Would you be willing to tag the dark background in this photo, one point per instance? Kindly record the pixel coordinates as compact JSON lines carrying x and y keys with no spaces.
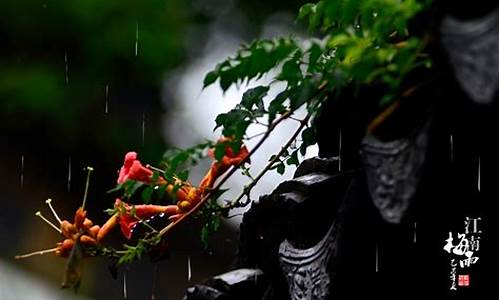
{"x":47,"y":121}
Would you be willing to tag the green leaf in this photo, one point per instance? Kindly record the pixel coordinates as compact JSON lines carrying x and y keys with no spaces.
{"x":316,"y":16}
{"x":184,"y":175}
{"x":251,"y":61}
{"x":130,"y":187}
{"x":205,"y":236}
{"x":305,"y":10}
{"x":276,"y":105}
{"x":308,"y":136}
{"x":210,"y":78}
{"x":302,"y":94}
{"x":314,"y":54}
{"x":253,"y":97}
{"x":290,"y":72}
{"x":176,"y":158}
{"x":293,"y":159}
{"x":280,"y":168}
{"x":211,"y":225}
{"x":155,"y":177}
{"x":235,"y":122}
{"x":160,"y":190}
{"x":219,"y":151}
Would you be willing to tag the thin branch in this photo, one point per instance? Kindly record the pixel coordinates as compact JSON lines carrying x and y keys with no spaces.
{"x":271,"y":127}
{"x":248,"y":187}
{"x":295,"y":119}
{"x":256,"y":135}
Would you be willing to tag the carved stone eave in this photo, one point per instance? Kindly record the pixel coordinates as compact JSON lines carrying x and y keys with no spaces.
{"x":306,"y":269}
{"x":393,"y":171}
{"x":472,"y":47}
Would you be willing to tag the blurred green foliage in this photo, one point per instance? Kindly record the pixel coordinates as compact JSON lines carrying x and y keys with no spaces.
{"x":57,"y":57}
{"x":97,"y":37}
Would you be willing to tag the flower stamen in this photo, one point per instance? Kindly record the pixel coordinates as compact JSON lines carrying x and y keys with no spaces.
{"x":48,"y":201}
{"x":87,"y":183}
{"x":39,"y":214}
{"x":40,"y":252}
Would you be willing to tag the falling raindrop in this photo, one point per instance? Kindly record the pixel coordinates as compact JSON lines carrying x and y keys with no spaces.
{"x":22,"y":170}
{"x":66,"y":69}
{"x":124,"y":285}
{"x":479,"y":174}
{"x":136,"y":37}
{"x":340,"y":149}
{"x":107,"y":97}
{"x":451,"y":147}
{"x":415,"y":232}
{"x":69,"y":173}
{"x":376,"y":257}
{"x":189,"y":268}
{"x":143,"y":126}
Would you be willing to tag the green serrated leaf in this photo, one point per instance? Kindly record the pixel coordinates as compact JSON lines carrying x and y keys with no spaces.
{"x":308,"y":136}
{"x":276,"y":105}
{"x":290,"y":72}
{"x":303,"y":149}
{"x":131,"y":186}
{"x":281,"y":168}
{"x":251,"y":61}
{"x":210,"y":78}
{"x":302,"y":94}
{"x":305,"y":10}
{"x":315,"y":52}
{"x":253,"y":97}
{"x":293,"y":159}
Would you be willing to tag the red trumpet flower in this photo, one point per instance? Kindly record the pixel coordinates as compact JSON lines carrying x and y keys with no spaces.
{"x":134,"y":170}
{"x":82,"y":228}
{"x":128,"y":220}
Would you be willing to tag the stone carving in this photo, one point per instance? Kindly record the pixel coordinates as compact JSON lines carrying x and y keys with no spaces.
{"x":306,"y":269}
{"x":472,"y":47}
{"x":393,"y":171}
